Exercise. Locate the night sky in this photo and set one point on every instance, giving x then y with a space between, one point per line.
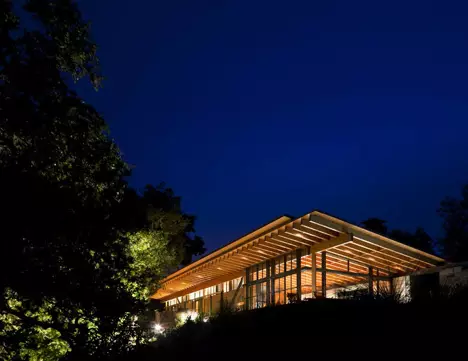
253 109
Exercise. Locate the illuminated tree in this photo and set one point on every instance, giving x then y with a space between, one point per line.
80 250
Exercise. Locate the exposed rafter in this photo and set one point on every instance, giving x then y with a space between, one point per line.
349 248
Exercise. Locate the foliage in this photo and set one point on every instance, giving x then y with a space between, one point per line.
454 213
267 332
376 225
292 297
166 215
419 239
83 249
150 256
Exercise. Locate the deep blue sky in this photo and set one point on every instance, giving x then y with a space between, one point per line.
253 109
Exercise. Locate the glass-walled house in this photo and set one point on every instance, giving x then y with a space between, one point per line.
287 260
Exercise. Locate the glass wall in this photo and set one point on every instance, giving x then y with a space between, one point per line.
285 289
194 300
258 295
285 279
258 272
306 276
276 281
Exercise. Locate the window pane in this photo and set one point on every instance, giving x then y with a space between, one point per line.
253 273
291 261
306 284
279 298
279 265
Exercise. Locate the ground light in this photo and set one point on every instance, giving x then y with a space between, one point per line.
189 314
157 328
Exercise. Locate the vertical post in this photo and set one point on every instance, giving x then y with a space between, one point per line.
350 240
313 257
268 289
298 274
371 281
324 274
285 261
272 281
222 308
247 288
211 304
378 283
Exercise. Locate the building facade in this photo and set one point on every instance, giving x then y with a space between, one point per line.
287 260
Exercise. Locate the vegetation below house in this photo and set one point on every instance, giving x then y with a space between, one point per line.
328 328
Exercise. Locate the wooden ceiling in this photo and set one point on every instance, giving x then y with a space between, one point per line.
316 230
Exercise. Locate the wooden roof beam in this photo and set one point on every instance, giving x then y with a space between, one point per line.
307 228
336 252
378 252
382 241
370 262
287 242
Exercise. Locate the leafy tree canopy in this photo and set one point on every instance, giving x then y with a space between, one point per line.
82 251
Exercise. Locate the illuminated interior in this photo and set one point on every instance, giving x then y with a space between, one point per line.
287 260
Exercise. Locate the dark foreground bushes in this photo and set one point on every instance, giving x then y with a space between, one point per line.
335 329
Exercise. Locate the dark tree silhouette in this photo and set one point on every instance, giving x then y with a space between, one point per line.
376 225
80 255
454 213
419 239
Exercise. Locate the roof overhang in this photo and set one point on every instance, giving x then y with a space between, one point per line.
317 230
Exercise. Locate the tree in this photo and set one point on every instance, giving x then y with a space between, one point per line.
162 235
419 239
163 199
454 213
376 225
79 257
